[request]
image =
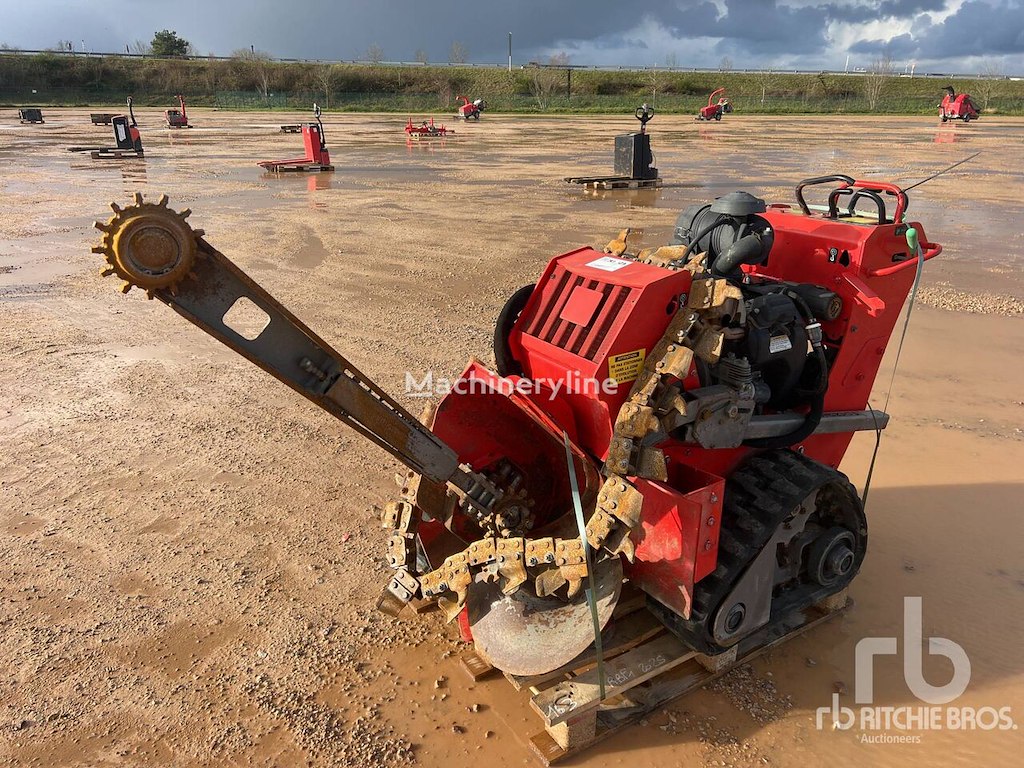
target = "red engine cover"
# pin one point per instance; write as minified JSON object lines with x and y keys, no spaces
{"x":593,"y":318}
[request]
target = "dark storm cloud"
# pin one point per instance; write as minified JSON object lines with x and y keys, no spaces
{"x":800,"y":33}
{"x":888,"y":9}
{"x":979,"y":28}
{"x":770,"y":28}
{"x":900,"y":47}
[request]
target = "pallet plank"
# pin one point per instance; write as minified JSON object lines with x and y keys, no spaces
{"x":613,"y":182}
{"x":614,"y":715}
{"x":568,"y":699}
{"x":475,"y":666}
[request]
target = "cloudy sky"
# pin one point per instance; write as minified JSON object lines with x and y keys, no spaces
{"x":938,"y":35}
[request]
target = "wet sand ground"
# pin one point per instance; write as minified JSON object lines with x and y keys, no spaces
{"x":189,"y":553}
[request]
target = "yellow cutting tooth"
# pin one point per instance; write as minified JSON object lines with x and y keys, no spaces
{"x":450,"y":608}
{"x":107,"y":272}
{"x":627,"y":548}
{"x":548,"y":582}
{"x":101,"y":226}
{"x":574,"y":587}
{"x":115,"y":207}
{"x":185,"y":213}
{"x":199,"y":232}
{"x":126,"y":287}
{"x":149,"y":295}
{"x":99,"y":249}
{"x":163,"y":201}
{"x":138,"y":198}
{"x":513,"y":582}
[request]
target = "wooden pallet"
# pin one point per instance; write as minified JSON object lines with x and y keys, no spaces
{"x":302,"y":168}
{"x":291,"y":129}
{"x":613,"y":182}
{"x":645,"y":668}
{"x":115,"y":154}
{"x":102,"y":118}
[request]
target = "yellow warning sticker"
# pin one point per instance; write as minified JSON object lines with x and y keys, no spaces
{"x":627,"y":366}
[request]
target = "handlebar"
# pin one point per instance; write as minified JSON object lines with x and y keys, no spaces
{"x":320,"y":124}
{"x":858,"y":188}
{"x":644,"y":114}
{"x":855,"y":195}
{"x":928,"y":251}
{"x":846,"y":180}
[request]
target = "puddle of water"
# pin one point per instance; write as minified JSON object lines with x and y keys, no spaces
{"x":312,"y":253}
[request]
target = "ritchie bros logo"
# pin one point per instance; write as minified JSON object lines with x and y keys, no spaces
{"x":906,"y":719}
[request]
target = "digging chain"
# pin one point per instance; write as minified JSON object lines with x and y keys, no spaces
{"x":695,"y":330}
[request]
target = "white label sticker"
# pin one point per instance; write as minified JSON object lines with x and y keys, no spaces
{"x":779,"y":344}
{"x":609,"y":263}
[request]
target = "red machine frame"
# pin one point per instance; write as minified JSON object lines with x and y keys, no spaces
{"x":426,"y":130}
{"x":957,"y":106}
{"x":469,"y":109}
{"x":589,"y":309}
{"x":715,"y":110}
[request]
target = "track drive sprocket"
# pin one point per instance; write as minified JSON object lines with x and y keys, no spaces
{"x":148,"y":245}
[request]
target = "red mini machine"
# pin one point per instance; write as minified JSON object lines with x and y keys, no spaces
{"x":693,"y":401}
{"x":471,"y":109}
{"x":177,"y":118}
{"x":128,"y":140}
{"x":317,"y":157}
{"x":425,"y":130}
{"x":957,"y":106}
{"x":715,"y":109}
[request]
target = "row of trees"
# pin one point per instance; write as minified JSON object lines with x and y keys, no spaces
{"x":256,"y":73}
{"x":457,"y":54}
{"x":168,"y":44}
{"x":544,"y":80}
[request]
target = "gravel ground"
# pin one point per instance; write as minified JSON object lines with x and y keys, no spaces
{"x":189,"y":554}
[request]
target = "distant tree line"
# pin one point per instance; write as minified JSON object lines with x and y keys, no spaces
{"x":552,"y":84}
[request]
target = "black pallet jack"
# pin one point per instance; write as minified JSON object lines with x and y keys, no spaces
{"x":30,"y":115}
{"x":634,"y":161}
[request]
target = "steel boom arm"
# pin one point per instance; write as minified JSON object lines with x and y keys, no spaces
{"x":153,"y":248}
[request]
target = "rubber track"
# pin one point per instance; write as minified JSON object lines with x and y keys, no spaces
{"x":759,"y":496}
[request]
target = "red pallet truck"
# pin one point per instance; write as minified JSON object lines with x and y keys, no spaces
{"x":177,"y":118}
{"x":317,"y":157}
{"x":128,"y":140}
